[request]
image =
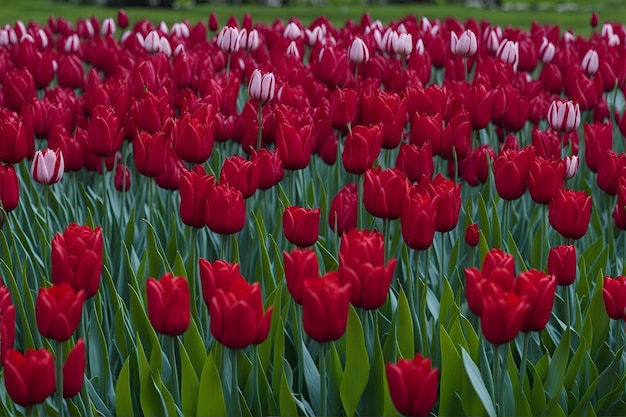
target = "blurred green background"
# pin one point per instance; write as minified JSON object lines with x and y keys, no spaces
{"x":569,"y":15}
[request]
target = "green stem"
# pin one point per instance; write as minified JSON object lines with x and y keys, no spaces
{"x":387,"y":241}
{"x":104,"y":195}
{"x":323,"y":385}
{"x":48,"y":234}
{"x":259,"y":119}
{"x":544,"y":235}
{"x":235,"y":405}
{"x":58,"y":368}
{"x":174,"y":375}
{"x":356,"y":76}
{"x":568,"y":305}
{"x":522,"y":371}
{"x":360,"y":211}
{"x":298,"y":339}
{"x":496,"y":379}
{"x":441,"y":262}
{"x":255,"y":377}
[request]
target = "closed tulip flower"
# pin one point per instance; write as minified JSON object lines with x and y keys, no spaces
{"x":598,"y":140}
{"x":361,"y":148}
{"x":241,"y":174}
{"x":418,"y":219}
{"x":121,"y":181}
{"x":449,"y":195}
{"x":225,"y":210}
{"x":301,"y":226}
{"x":74,"y":370}
{"x":503,"y":315}
{"x":29,"y":378}
{"x":149,"y":151}
{"x":262,"y":87}
{"x":194,"y":192}
{"x":58,"y":310}
{"x":228,"y":39}
{"x":48,"y":166}
{"x":497,"y":260}
{"x":362,"y":265}
{"x":538,"y":290}
{"x":413,"y":385}
{"x":325,"y":305}
{"x":194,"y":135}
{"x":472,"y":235}
{"x":384,"y":192}
{"x":562,"y":264}
{"x":238,"y":319}
{"x":342,"y":215}
{"x":590,"y":62}
{"x":270,"y":164}
{"x":358,"y":51}
{"x":168,"y":304}
{"x":77,"y":258}
{"x":7,"y":323}
{"x":17,"y":137}
{"x":614,"y":295}
{"x":563,"y":115}
{"x":569,"y":213}
{"x":416,"y":161}
{"x":464,"y":45}
{"x":104,"y":132}
{"x":9,"y":188}
{"x":300,"y":265}
{"x":294,"y":144}
{"x":511,"y":173}
{"x":220,"y":275}
{"x":545,"y":179}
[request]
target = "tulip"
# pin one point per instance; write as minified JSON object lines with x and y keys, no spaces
{"x":563,"y":115}
{"x":614,"y":295}
{"x":294,"y":144}
{"x":511,"y":173}
{"x":121,"y":180}
{"x":427,"y":129}
{"x":358,"y":51}
{"x":546,"y":51}
{"x":598,"y":140}
{"x":361,"y":148}
{"x":77,"y":258}
{"x":149,"y":151}
{"x":342,"y":215}
{"x":122,"y":19}
{"x":569,"y":213}
{"x":503,"y":314}
{"x":168,"y":304}
{"x":538,"y":290}
{"x":449,"y":207}
{"x":464,"y":45}
{"x":508,"y":51}
{"x":48,"y":166}
{"x":545,"y":178}
{"x":496,"y":260}
{"x":70,"y":72}
{"x":228,"y":39}
{"x":416,"y":161}
{"x":225,"y":210}
{"x":590,"y":62}
{"x":612,"y":166}
{"x":238,"y":319}
{"x":301,"y":226}
{"x":384,"y":192}
{"x":343,"y":108}
{"x":472,"y":235}
{"x":562,"y":264}
{"x":241,"y":174}
{"x":9,"y":188}
{"x":262,"y":87}
{"x":300,"y":265}
{"x":7,"y":323}
{"x":571,"y":166}
{"x":270,"y":164}
{"x":58,"y":310}
{"x":17,"y":137}
{"x":213,"y":22}
{"x":220,"y":275}
{"x":593,"y":21}
{"x":74,"y":370}
{"x":362,"y":265}
{"x":29,"y":379}
{"x":413,"y":385}
{"x":194,"y":136}
{"x":418,"y":219}
{"x":292,"y":31}
{"x":325,"y":305}
{"x":18,"y":89}
{"x":104,"y":132}
{"x":194,"y":192}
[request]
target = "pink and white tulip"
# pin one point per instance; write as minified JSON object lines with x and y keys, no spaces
{"x":563,"y":115}
{"x":464,"y":45}
{"x":48,"y":166}
{"x":262,"y":87}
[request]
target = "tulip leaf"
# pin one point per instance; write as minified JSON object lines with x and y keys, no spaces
{"x":477,"y":382}
{"x":16,"y":296}
{"x":512,"y":246}
{"x":597,"y":318}
{"x":157,"y":262}
{"x":140,"y":322}
{"x":98,"y":355}
{"x":553,"y":409}
{"x":189,"y":383}
{"x":495,"y":223}
{"x":267,"y":278}
{"x":403,"y":327}
{"x":279,"y":351}
{"x":450,"y":389}
{"x":558,"y":364}
{"x":129,"y":233}
{"x":335,"y":378}
{"x":311,"y":377}
{"x":123,"y":397}
{"x":374,"y":394}
{"x":150,"y":399}
{"x":584,"y":402}
{"x":575,"y":365}
{"x":211,"y":401}
{"x":287,"y":402}
{"x":483,"y":220}
{"x":356,"y":372}
{"x":194,"y":346}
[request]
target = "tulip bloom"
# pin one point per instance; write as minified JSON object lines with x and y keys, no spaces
{"x":238,"y":319}
{"x":294,"y":144}
{"x":270,"y":164}
{"x":220,"y":275}
{"x":301,"y":226}
{"x":598,"y":140}
{"x":614,"y":295}
{"x":503,"y":314}
{"x":225,"y":210}
{"x":194,"y":135}
{"x":262,"y":87}
{"x":241,"y":174}
{"x":325,"y":305}
{"x":384,"y":192}
{"x":545,"y":179}
{"x":48,"y":166}
{"x":7,"y":323}
{"x":472,"y":235}
{"x":413,"y":385}
{"x":449,"y":206}
{"x":358,"y":51}
{"x":149,"y":151}
{"x":569,"y":213}
{"x":538,"y":290}
{"x":362,"y":265}
{"x":228,"y":39}
{"x":17,"y":137}
{"x":361,"y":148}
{"x":9,"y":188}
{"x":121,"y":180}
{"x":511,"y":173}
{"x":74,"y":370}
{"x":342,"y":215}
{"x":562,"y":264}
{"x":464,"y":45}
{"x":29,"y":378}
{"x":169,"y":308}
{"x":590,"y":63}
{"x":104,"y":132}
{"x":563,"y":115}
{"x":77,"y":258}
{"x":58,"y":310}
{"x":418,"y":219}
{"x":300,"y":265}
{"x":416,"y":161}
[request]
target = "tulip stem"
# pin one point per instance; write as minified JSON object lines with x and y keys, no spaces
{"x":323,"y":387}
{"x":496,"y":380}
{"x":522,"y":371}
{"x":235,"y":405}
{"x":259,"y":119}
{"x":28,"y":410}
{"x":58,"y":350}
{"x":360,"y":212}
{"x":568,"y":305}
{"x":47,"y":227}
{"x":255,"y":377}
{"x":174,"y":371}
{"x":298,"y":340}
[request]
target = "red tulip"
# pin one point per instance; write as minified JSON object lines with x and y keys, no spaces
{"x":17,"y":137}
{"x":18,"y":89}
{"x":122,"y":19}
{"x":612,"y":166}
{"x":614,"y":294}
{"x":511,"y":173}
{"x":220,"y":275}
{"x":472,"y":235}
{"x":361,"y":148}
{"x":343,"y":106}
{"x":325,"y":305}
{"x":194,"y":138}
{"x":545,"y":178}
{"x":7,"y":323}
{"x":241,"y":174}
{"x":29,"y":378}
{"x":497,"y":260}
{"x":225,"y":210}
{"x":384,"y":192}
{"x":569,"y":213}
{"x":428,"y":128}
{"x":70,"y":72}
{"x":168,"y":304}
{"x":416,"y":161}
{"x":598,"y":140}
{"x":418,"y":219}
{"x":122,"y":178}
{"x":342,"y":215}
{"x":562,"y":264}
{"x":449,"y":205}
{"x":413,"y":385}
{"x":388,"y":109}
{"x":194,"y":192}
{"x":294,"y":144}
{"x":270,"y":164}
{"x":77,"y":258}
{"x":58,"y":310}
{"x":9,"y":188}
{"x":238,"y":319}
{"x":301,"y":226}
{"x":362,"y":265}
{"x":503,"y":314}
{"x":300,"y":265}
{"x":104,"y":132}
{"x":74,"y":370}
{"x":149,"y":151}
{"x":538,"y":290}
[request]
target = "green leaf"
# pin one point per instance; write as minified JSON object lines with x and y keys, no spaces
{"x":279,"y":352}
{"x":287,"y":402}
{"x":335,"y":378}
{"x":150,"y":399}
{"x":123,"y":397}
{"x":211,"y":401}
{"x":374,"y":394}
{"x":194,"y":346}
{"x":478,"y":384}
{"x":450,"y":388}
{"x":190,"y":384}
{"x":512,"y":246}
{"x":558,"y":364}
{"x":404,"y":337}
{"x":356,"y":372}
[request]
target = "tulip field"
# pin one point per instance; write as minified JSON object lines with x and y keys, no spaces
{"x":234,"y":217}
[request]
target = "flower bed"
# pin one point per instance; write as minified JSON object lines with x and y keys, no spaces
{"x":257,"y":219}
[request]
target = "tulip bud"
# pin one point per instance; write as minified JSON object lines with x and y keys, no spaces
{"x":546,"y":51}
{"x":262,"y":87}
{"x":168,"y":304}
{"x":58,"y":310}
{"x":571,"y":166}
{"x":292,"y":50}
{"x":472,"y":235}
{"x":563,"y":115}
{"x":29,"y":379}
{"x":48,"y":166}
{"x":413,"y":385}
{"x":614,"y":295}
{"x":590,"y":62}
{"x":108,"y":27}
{"x":465,"y":45}
{"x":122,"y":19}
{"x":508,"y":51}
{"x":122,"y":178}
{"x":292,"y":31}
{"x":404,"y":45}
{"x":152,"y":42}
{"x":562,"y":264}
{"x":9,"y":188}
{"x":301,"y":226}
{"x":593,"y":21}
{"x":74,"y":370}
{"x":358,"y":51}
{"x":228,"y":39}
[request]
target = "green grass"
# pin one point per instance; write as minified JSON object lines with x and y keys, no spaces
{"x":39,"y":10}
